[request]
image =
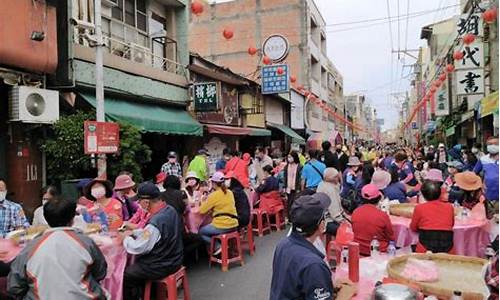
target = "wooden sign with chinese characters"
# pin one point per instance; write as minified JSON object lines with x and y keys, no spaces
{"x":227,"y":109}
{"x":473,"y":56}
{"x":101,"y":137}
{"x":472,"y":24}
{"x":206,"y":96}
{"x":470,"y":81}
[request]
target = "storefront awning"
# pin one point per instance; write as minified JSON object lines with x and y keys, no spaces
{"x":259,"y":132}
{"x":149,"y":117}
{"x":228,"y":130}
{"x":297,"y":139}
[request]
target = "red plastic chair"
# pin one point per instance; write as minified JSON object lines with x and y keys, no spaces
{"x":246,"y":236}
{"x":225,"y":260}
{"x":343,"y":238}
{"x":261,"y":219}
{"x":171,"y":283}
{"x":279,"y":219}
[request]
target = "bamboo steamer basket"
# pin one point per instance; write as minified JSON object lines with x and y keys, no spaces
{"x":406,"y":210}
{"x":456,"y":272}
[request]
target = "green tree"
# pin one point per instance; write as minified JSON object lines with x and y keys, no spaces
{"x":66,"y":158}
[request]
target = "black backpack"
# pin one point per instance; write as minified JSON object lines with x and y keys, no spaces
{"x":350,"y":202}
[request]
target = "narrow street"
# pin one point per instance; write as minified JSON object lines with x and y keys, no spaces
{"x":252,"y":281}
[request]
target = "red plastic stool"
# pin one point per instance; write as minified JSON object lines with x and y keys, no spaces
{"x":171,"y":283}
{"x":246,"y":236}
{"x":262,"y":221}
{"x":225,"y":260}
{"x":279,"y":219}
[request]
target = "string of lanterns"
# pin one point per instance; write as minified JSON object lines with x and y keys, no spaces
{"x":489,"y":16}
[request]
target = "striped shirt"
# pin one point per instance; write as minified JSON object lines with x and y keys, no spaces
{"x":11,"y":217}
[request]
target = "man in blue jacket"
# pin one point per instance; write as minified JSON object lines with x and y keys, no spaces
{"x":299,"y":271}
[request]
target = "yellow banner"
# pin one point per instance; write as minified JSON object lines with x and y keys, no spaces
{"x":489,"y":104}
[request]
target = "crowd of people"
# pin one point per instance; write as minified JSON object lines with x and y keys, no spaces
{"x":318,"y":190}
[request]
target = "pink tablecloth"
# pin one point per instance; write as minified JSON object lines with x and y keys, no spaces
{"x":470,"y":237}
{"x":194,"y":220}
{"x":116,"y":258}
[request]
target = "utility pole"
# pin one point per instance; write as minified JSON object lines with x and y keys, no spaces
{"x":99,"y":84}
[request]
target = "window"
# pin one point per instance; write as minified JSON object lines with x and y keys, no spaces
{"x":131,"y":12}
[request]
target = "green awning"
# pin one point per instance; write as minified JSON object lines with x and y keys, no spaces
{"x":288,"y":131}
{"x":259,"y":132}
{"x":149,"y":117}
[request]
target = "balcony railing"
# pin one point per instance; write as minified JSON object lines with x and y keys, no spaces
{"x":136,"y":53}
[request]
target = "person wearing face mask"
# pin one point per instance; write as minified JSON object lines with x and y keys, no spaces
{"x":240,"y":199}
{"x":488,"y":165}
{"x":404,"y":168}
{"x":268,"y":190}
{"x":101,"y":192}
{"x":199,"y":164}
{"x":350,"y":176}
{"x":441,"y":157}
{"x":239,"y":166}
{"x":476,"y":150}
{"x":172,"y":167}
{"x":299,"y":269}
{"x":222,"y":205}
{"x":11,"y":214}
{"x":261,"y":160}
{"x":191,"y":187}
{"x":291,"y":177}
{"x":48,"y":193}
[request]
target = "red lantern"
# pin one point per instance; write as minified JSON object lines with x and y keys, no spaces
{"x":469,"y":38}
{"x":450,"y":68}
{"x":322,"y":105}
{"x":196,"y":8}
{"x":442,"y":77}
{"x":490,"y":15}
{"x":252,"y":50}
{"x":458,"y":55}
{"x":437,"y":83}
{"x":307,"y":93}
{"x":293,"y":78}
{"x":228,"y":34}
{"x":432,"y":90}
{"x":280,"y":71}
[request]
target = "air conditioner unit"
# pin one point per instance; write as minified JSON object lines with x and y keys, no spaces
{"x":33,"y":105}
{"x":139,"y":54}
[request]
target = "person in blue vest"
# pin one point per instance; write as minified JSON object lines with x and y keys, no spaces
{"x":488,"y":166}
{"x":299,"y":271}
{"x":350,"y":176}
{"x":312,"y":173}
{"x":158,"y":247}
{"x":404,"y":168}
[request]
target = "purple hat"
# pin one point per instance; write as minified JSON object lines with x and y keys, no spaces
{"x":218,"y":177}
{"x":434,"y":175}
{"x":381,"y":179}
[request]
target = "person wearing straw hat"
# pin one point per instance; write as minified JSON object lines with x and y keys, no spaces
{"x":350,"y":175}
{"x":471,"y":185}
{"x":192,"y":184}
{"x":224,"y":215}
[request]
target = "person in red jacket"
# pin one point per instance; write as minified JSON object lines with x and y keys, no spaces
{"x":433,"y":221}
{"x":369,"y":222}
{"x":239,"y":168}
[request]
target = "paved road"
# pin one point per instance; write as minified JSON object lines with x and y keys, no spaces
{"x":250,"y":282}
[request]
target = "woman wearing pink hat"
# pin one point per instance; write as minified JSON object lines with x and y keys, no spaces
{"x":124,"y":192}
{"x":224,"y":214}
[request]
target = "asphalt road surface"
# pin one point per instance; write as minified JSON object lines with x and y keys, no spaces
{"x":248,"y":282}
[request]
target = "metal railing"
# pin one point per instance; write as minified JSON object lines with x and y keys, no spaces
{"x":135,"y":53}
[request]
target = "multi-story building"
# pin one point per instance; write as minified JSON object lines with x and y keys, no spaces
{"x":356,"y":106}
{"x":145,"y":68}
{"x":252,"y":22}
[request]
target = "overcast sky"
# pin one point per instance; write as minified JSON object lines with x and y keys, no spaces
{"x":363,"y":55}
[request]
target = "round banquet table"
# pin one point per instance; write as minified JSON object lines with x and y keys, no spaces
{"x":116,"y":258}
{"x":470,"y":237}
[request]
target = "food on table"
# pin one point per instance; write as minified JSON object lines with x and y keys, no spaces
{"x":421,"y":270}
{"x":455,"y":272}
{"x":406,"y":210}
{"x":92,"y":228}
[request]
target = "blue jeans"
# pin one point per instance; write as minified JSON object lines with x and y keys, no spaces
{"x":208,"y":231}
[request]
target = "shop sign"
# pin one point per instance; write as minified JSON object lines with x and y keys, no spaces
{"x":442,"y":102}
{"x":470,"y":81}
{"x":472,"y":24}
{"x":101,"y":137}
{"x":274,"y":83}
{"x":276,"y":47}
{"x":414,"y":125}
{"x":489,"y":104}
{"x":206,"y":96}
{"x":473,"y":56}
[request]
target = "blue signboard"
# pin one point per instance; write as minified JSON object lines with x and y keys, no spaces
{"x":275,"y":79}
{"x":414,"y":125}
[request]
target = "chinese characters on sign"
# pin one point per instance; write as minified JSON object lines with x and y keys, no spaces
{"x":473,"y":56}
{"x":206,"y":96}
{"x":101,"y":137}
{"x":470,"y":81}
{"x":442,"y":105}
{"x":472,"y":25}
{"x":274,"y":83}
